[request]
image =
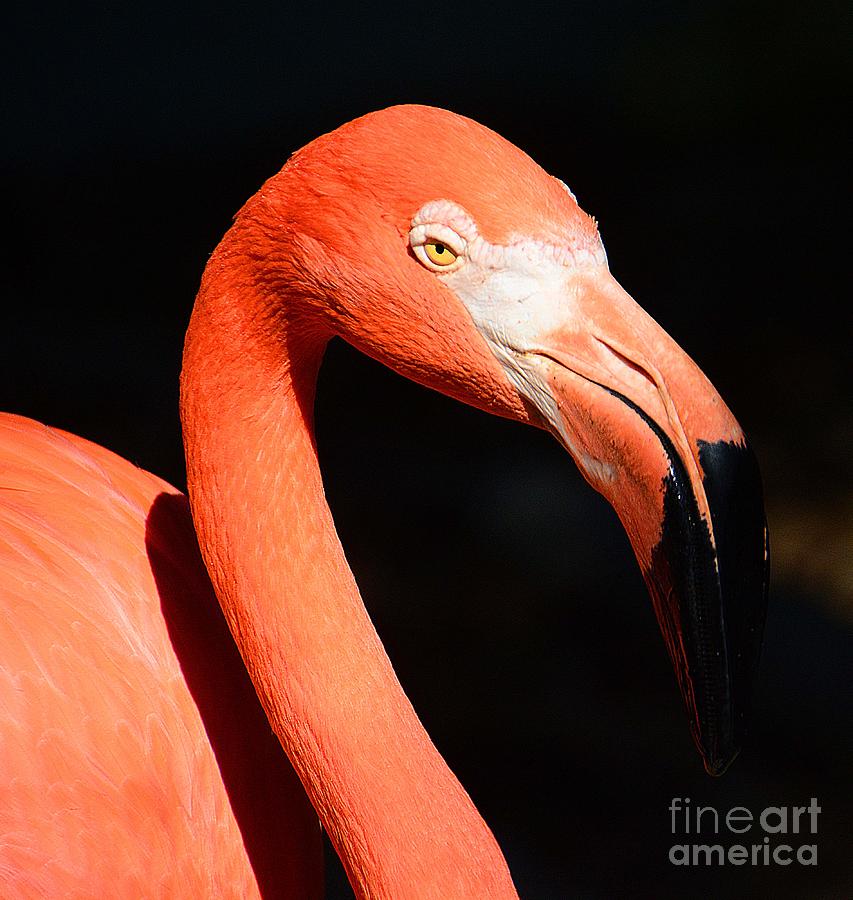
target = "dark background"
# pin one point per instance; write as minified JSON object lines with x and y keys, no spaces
{"x":705,"y":138}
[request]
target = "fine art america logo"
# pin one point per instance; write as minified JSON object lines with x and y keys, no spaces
{"x":781,"y":835}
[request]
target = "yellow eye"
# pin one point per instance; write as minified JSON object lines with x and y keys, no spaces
{"x":439,"y":254}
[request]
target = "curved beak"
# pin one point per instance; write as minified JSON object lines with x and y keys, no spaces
{"x":650,"y":432}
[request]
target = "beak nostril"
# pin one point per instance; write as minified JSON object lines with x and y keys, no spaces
{"x":645,"y":378}
{"x":630,"y":364}
{"x":639,"y":379}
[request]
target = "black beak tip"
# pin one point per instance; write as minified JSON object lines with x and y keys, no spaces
{"x":708,"y":582}
{"x":711,"y":595}
{"x":718,"y":765}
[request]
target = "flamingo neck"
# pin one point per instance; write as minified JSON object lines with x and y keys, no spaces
{"x":400,"y":821}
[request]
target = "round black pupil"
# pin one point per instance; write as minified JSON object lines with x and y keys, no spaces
{"x":439,"y":249}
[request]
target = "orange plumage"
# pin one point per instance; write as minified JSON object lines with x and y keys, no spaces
{"x":134,"y":757}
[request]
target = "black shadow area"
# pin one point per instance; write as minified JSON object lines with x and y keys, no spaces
{"x":279,"y":828}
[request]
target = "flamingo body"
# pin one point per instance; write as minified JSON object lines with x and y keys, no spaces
{"x":121,"y":695}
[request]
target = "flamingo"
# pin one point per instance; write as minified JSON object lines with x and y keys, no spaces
{"x":191,"y":686}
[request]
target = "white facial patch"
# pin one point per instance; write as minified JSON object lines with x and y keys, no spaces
{"x":515,"y":293}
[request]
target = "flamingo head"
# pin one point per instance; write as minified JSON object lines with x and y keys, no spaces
{"x":442,"y":250}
